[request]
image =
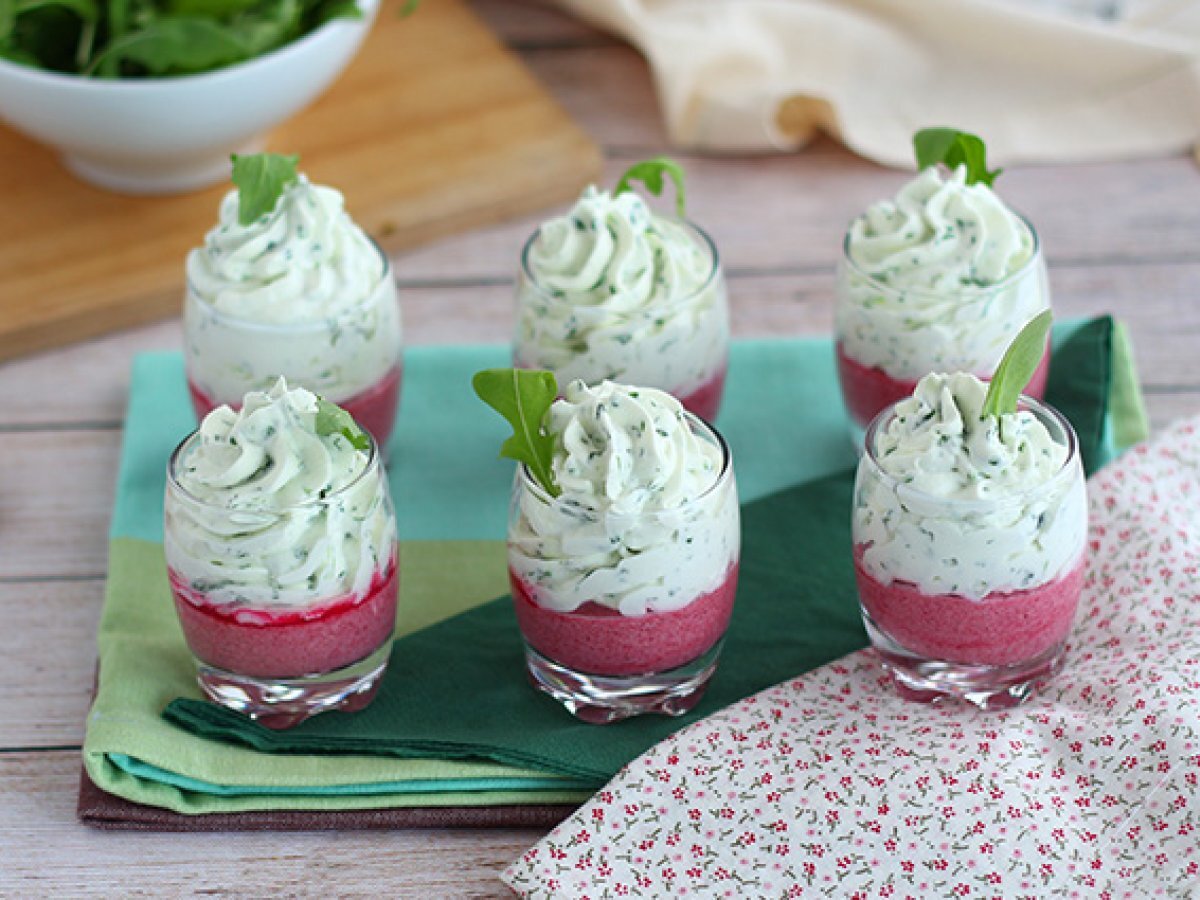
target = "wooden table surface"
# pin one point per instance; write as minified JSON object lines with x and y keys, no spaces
{"x":1121,"y":238}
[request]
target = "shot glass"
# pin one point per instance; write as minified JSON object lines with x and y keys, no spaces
{"x":972,"y":599}
{"x":680,"y":345}
{"x":888,"y":338}
{"x":353,"y":359}
{"x":283,"y":625}
{"x":623,"y":615}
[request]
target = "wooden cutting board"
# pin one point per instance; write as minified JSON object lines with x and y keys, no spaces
{"x":434,"y":128}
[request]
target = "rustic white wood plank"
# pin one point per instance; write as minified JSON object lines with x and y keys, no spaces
{"x":86,"y":383}
{"x":56,"y":493}
{"x":47,"y":661}
{"x":45,"y":852}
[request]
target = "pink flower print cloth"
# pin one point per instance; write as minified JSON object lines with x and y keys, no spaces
{"x":831,"y":785}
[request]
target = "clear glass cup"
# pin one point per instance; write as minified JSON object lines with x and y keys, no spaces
{"x":353,"y":359}
{"x":888,"y":338}
{"x":624,"y":614}
{"x":972,"y":599}
{"x":680,"y":346}
{"x":281,"y":659}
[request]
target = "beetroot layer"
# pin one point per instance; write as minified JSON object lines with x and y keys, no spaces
{"x":599,"y":640}
{"x":1002,"y":628}
{"x":869,"y":390}
{"x":374,"y":408}
{"x":265,"y":643}
{"x":705,"y":401}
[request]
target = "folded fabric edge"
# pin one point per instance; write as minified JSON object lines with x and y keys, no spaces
{"x":111,"y":779}
{"x":517,"y":783}
{"x":99,"y":809}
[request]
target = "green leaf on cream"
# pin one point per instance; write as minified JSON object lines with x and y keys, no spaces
{"x":261,"y":180}
{"x":953,"y":148}
{"x":523,"y":397}
{"x":332,"y":419}
{"x":1017,"y":366}
{"x":650,"y":173}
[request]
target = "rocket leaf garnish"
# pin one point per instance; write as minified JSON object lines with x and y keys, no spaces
{"x":1017,"y":366}
{"x":523,"y":396}
{"x":953,"y":148}
{"x":332,"y":419}
{"x":650,"y":173}
{"x":261,"y":180}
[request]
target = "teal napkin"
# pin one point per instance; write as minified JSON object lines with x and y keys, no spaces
{"x":457,"y":690}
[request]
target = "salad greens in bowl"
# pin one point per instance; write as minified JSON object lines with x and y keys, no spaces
{"x":140,"y":38}
{"x":152,"y":96}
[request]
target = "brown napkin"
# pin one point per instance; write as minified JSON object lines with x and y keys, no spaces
{"x":101,"y":809}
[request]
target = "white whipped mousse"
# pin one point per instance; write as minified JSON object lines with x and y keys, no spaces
{"x":270,"y":514}
{"x":956,"y":503}
{"x":939,"y":279}
{"x":301,"y":292}
{"x":647,"y":520}
{"x":611,"y":290}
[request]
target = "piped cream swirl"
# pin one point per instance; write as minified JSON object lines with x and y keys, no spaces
{"x":300,"y":292}
{"x":647,"y":520}
{"x":971,"y":504}
{"x":611,"y":290}
{"x":265,"y":512}
{"x":940,"y":278}
{"x":940,"y":235}
{"x":304,"y":261}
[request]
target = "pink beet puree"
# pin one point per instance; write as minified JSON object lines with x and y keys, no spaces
{"x":600,"y":641}
{"x":705,"y":401}
{"x":286,"y":643}
{"x":373,"y":408}
{"x":867,"y":391}
{"x":1002,"y":628}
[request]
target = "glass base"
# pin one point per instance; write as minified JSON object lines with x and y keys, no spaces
{"x":601,"y":699}
{"x":284,"y":702}
{"x":986,"y":687}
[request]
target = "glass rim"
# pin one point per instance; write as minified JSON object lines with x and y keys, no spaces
{"x":706,"y":242}
{"x":173,"y":484}
{"x":315,"y":325}
{"x":698,"y":425}
{"x":971,"y":293}
{"x":1043,"y":411}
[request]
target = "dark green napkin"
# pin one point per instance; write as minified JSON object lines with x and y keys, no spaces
{"x":457,"y":690}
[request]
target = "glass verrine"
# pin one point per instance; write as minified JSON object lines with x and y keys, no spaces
{"x":679,"y":345}
{"x":888,"y":338}
{"x":625,"y":614}
{"x":970,"y":598}
{"x":288,"y":610}
{"x":352,"y":358}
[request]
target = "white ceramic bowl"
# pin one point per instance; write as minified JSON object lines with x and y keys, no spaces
{"x":167,"y":135}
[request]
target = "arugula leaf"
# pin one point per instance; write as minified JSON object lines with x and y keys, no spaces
{"x":650,"y":173}
{"x":523,"y":396}
{"x":183,"y":44}
{"x":1017,"y":366}
{"x":261,"y":180}
{"x":954,"y":148}
{"x":332,"y":419}
{"x":215,"y":9}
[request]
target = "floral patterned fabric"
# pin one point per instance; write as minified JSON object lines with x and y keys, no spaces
{"x":831,"y":785}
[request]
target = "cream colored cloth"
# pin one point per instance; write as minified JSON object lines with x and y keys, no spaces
{"x":1040,"y":80}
